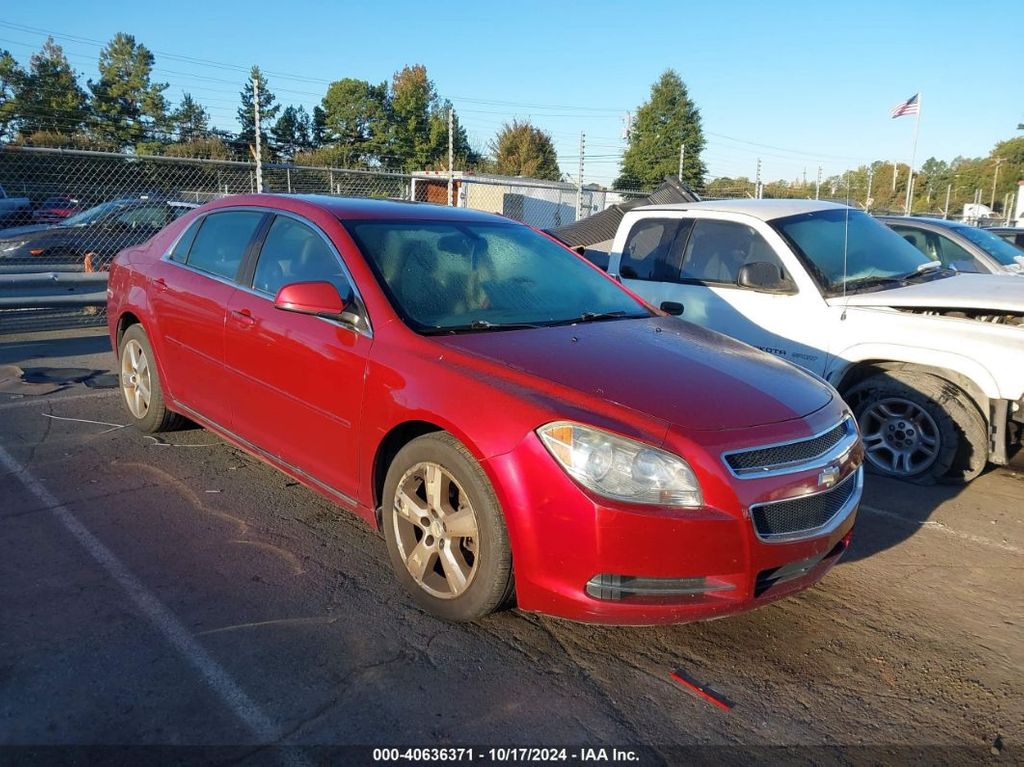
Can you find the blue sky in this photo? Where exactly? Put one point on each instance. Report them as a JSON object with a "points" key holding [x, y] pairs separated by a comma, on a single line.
{"points": [[797, 84]]}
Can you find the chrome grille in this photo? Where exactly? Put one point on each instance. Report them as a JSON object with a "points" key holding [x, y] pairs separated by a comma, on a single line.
{"points": [[765, 459], [804, 514]]}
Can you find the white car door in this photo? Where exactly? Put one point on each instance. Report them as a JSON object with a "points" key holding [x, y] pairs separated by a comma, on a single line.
{"points": [[695, 262]]}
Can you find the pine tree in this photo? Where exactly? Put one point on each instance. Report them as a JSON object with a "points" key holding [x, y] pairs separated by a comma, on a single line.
{"points": [[190, 121], [291, 131], [129, 108], [268, 109], [666, 121], [12, 79], [413, 100], [50, 98]]}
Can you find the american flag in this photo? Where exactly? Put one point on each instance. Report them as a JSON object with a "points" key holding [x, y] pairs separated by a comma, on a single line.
{"points": [[908, 107]]}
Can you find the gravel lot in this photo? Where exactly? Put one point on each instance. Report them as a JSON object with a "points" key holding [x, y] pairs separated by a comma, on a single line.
{"points": [[178, 592]]}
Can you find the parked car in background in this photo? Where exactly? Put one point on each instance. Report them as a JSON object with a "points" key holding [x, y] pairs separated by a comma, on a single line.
{"points": [[1012, 234], [55, 209], [93, 237], [514, 420], [930, 359], [14, 211], [958, 246]]}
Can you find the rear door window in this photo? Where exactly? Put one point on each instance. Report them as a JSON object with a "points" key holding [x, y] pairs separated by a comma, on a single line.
{"points": [[653, 249], [221, 242]]}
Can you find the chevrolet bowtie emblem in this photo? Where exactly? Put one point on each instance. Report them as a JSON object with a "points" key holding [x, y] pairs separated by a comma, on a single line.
{"points": [[828, 476]]}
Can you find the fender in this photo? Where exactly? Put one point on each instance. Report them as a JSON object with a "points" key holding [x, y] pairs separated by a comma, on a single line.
{"points": [[843, 361]]}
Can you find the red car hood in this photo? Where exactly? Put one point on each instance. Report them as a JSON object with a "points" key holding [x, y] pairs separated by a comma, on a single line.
{"points": [[672, 370]]}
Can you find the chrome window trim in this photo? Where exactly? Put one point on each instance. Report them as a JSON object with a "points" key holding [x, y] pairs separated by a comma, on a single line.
{"points": [[836, 453], [827, 528], [367, 331]]}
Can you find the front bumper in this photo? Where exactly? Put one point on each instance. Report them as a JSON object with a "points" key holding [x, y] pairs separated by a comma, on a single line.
{"points": [[584, 558]]}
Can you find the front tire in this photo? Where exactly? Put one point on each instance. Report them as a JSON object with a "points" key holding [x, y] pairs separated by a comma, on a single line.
{"points": [[140, 385], [445, 531], [919, 428]]}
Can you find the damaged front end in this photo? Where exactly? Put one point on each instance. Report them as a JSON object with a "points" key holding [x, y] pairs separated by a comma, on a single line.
{"points": [[980, 315]]}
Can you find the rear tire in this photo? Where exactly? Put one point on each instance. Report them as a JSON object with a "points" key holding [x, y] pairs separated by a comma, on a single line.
{"points": [[445, 531], [919, 428], [140, 385]]}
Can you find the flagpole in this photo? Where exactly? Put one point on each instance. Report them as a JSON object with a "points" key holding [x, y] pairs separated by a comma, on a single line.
{"points": [[913, 158]]}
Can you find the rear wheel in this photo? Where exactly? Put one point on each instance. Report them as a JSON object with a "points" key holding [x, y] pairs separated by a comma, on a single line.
{"points": [[920, 428], [140, 385], [444, 530]]}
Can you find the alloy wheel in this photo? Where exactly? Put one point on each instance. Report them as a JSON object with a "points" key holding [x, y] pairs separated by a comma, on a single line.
{"points": [[436, 530], [900, 437], [136, 382]]}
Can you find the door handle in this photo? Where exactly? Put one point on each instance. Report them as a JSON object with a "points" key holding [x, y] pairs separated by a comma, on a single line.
{"points": [[244, 317], [161, 283]]}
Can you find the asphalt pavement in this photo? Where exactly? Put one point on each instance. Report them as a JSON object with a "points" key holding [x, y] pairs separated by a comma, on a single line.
{"points": [[175, 593]]}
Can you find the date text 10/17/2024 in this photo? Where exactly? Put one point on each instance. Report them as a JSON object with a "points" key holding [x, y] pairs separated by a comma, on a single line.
{"points": [[504, 754]]}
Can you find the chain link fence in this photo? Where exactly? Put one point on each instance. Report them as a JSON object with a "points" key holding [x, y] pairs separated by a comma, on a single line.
{"points": [[71, 211]]}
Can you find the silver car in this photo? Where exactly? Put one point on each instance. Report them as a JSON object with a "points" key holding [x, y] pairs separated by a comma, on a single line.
{"points": [[959, 246]]}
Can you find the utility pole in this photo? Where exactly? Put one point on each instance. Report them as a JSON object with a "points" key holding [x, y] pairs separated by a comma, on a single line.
{"points": [[451, 157], [867, 198], [945, 210], [995, 179], [895, 165], [682, 156], [757, 180], [256, 125], [817, 185], [579, 178], [805, 176]]}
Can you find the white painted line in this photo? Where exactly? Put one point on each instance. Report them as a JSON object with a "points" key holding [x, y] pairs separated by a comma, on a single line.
{"points": [[933, 525], [163, 619], [47, 399]]}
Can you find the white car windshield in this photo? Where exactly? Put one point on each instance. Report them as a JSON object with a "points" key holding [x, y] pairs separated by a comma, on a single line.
{"points": [[842, 247]]}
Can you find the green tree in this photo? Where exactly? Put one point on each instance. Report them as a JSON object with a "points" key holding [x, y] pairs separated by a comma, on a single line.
{"points": [[190, 121], [50, 98], [291, 131], [268, 109], [413, 100], [465, 155], [357, 122], [521, 149], [12, 78], [130, 109], [666, 121], [318, 129]]}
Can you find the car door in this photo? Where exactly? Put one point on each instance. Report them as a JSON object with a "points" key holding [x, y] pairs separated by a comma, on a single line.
{"points": [[297, 386], [699, 267], [190, 291]]}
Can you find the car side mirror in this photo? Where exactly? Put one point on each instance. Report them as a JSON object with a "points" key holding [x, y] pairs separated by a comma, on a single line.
{"points": [[672, 307], [319, 299], [764, 277]]}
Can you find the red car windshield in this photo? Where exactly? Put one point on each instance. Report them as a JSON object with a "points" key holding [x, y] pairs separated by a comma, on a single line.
{"points": [[461, 276]]}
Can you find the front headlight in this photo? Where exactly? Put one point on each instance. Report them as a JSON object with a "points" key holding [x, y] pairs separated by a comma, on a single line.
{"points": [[10, 247], [620, 468]]}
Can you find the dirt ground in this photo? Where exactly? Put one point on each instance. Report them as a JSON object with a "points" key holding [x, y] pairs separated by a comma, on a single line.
{"points": [[177, 592]]}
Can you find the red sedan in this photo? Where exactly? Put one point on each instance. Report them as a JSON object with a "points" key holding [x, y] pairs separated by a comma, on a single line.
{"points": [[517, 424]]}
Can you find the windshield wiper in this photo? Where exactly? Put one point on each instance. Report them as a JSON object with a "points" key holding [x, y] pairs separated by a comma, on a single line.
{"points": [[598, 316], [477, 326]]}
